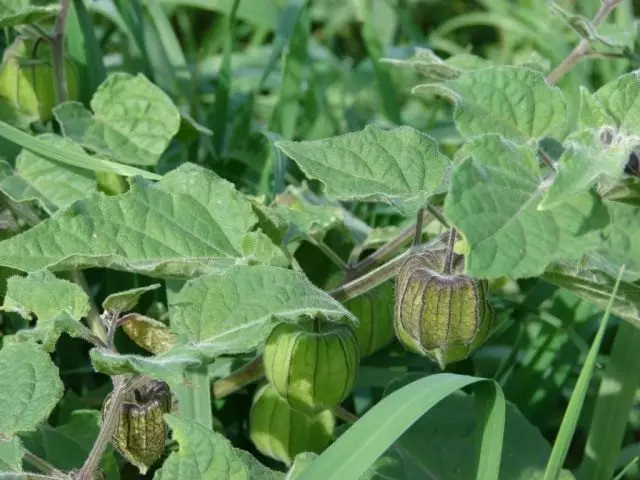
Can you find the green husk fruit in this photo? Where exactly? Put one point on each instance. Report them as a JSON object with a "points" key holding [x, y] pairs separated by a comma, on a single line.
{"points": [[281, 432], [313, 363], [440, 312]]}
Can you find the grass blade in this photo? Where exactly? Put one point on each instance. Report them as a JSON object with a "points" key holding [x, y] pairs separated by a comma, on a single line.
{"points": [[356, 449], [570, 419], [615, 400], [69, 158]]}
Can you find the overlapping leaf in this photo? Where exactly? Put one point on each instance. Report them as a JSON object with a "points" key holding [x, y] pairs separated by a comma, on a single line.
{"points": [[11, 453], [514, 102], [29, 387], [401, 166], [208, 455], [493, 200], [189, 223], [133, 120], [17, 12]]}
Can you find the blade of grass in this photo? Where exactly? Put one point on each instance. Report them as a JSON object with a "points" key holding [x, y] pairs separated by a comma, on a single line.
{"points": [[286, 26], [83, 48], [61, 155], [615, 399], [131, 13], [223, 87], [570, 419], [356, 449]]}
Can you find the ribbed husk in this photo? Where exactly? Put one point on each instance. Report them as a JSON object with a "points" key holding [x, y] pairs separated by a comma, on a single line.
{"points": [[442, 316], [281, 432], [141, 432], [374, 310], [312, 364]]}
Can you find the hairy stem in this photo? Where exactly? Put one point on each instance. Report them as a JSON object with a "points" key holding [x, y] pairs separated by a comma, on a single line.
{"points": [[42, 465], [331, 255], [581, 50], [448, 260], [436, 213], [417, 238], [57, 52], [239, 379]]}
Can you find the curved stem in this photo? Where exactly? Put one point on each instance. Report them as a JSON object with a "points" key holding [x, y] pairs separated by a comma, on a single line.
{"points": [[579, 52], [240, 378], [448, 261]]}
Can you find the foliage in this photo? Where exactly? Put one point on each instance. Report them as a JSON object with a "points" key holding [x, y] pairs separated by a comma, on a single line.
{"points": [[182, 181]]}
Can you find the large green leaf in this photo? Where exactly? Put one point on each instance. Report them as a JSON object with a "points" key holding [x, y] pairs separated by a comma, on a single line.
{"points": [[58, 304], [226, 314], [133, 120], [401, 166], [52, 184], [621, 245], [351, 455], [621, 101], [442, 442], [17, 12], [589, 156], [29, 387], [514, 102], [493, 200], [190, 222], [11, 453], [67, 446], [208, 455]]}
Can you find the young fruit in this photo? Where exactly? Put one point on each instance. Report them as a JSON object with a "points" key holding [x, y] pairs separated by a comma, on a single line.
{"points": [[374, 309], [140, 432], [280, 432], [440, 312], [313, 363]]}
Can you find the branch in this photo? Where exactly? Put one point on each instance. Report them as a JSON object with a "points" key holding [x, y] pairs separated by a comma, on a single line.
{"points": [[240, 378], [42, 465], [57, 52], [578, 53]]}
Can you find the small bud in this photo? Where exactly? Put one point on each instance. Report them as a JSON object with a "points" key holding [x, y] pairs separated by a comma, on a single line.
{"points": [[440, 312], [374, 310], [312, 363], [141, 432], [280, 432]]}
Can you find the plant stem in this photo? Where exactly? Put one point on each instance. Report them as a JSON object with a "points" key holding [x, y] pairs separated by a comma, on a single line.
{"points": [[331, 255], [436, 213], [344, 414], [120, 389], [238, 379], [57, 52], [579, 52], [448, 260], [42, 465], [417, 238], [362, 284]]}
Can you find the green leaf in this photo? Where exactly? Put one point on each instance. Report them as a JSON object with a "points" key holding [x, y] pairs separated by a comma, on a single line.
{"points": [[621, 100], [67, 446], [592, 112], [595, 286], [355, 451], [53, 184], [621, 246], [58, 304], [514, 102], [208, 455], [191, 222], [11, 453], [227, 314], [127, 300], [442, 442], [29, 387], [133, 120], [18, 12], [427, 63], [401, 166], [493, 200], [589, 155]]}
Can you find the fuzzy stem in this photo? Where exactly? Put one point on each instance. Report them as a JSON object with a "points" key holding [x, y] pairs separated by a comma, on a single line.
{"points": [[417, 238], [57, 52], [42, 465], [240, 378], [579, 52], [448, 260], [436, 213]]}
